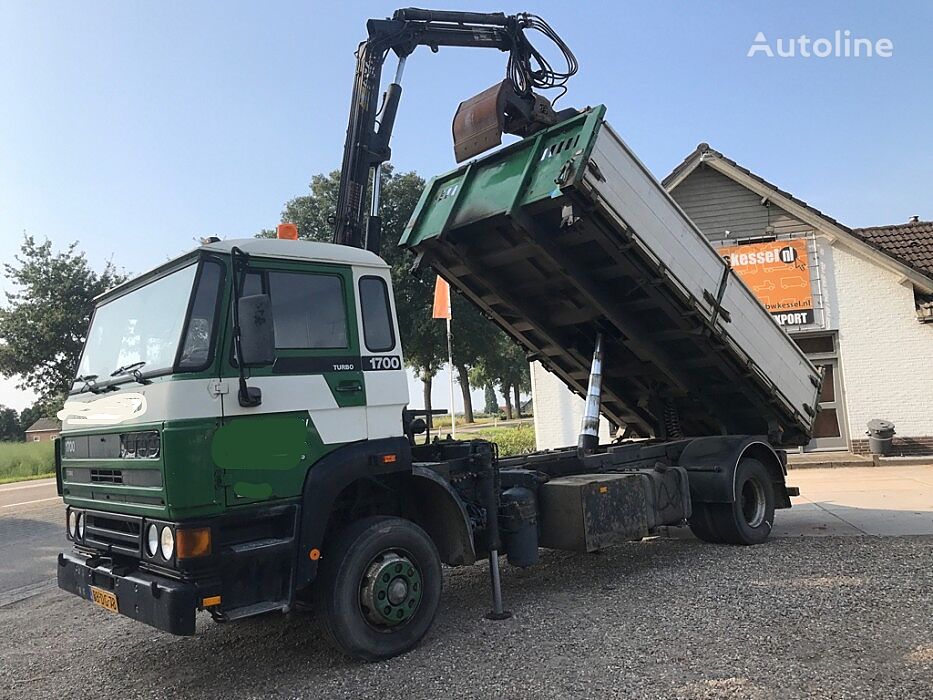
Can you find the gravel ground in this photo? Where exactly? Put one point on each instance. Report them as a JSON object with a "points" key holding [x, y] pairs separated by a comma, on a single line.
{"points": [[666, 618]]}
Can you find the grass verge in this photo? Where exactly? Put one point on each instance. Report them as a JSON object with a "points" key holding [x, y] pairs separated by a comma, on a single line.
{"points": [[517, 440], [20, 461]]}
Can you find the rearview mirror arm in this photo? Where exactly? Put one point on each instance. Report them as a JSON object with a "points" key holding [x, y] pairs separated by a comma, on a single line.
{"points": [[247, 396]]}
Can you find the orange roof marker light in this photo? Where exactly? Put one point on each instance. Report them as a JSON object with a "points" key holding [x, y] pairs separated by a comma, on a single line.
{"points": [[287, 232]]}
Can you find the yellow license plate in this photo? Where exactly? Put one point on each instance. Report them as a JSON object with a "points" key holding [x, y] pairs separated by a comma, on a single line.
{"points": [[104, 599]]}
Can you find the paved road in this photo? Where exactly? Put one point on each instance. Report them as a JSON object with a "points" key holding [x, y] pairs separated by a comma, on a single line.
{"points": [[32, 533], [886, 501]]}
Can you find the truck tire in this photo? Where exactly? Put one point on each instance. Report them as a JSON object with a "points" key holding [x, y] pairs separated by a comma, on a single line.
{"points": [[702, 525], [380, 587], [748, 520]]}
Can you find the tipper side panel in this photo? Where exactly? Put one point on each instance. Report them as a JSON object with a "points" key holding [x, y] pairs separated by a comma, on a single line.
{"points": [[565, 234]]}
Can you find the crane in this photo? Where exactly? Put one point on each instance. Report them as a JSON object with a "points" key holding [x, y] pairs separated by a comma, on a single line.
{"points": [[510, 107]]}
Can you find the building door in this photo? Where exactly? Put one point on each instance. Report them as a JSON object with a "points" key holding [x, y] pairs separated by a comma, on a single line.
{"points": [[829, 429]]}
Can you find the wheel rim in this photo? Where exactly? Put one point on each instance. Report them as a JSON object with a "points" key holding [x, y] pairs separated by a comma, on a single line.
{"points": [[391, 589], [754, 502]]}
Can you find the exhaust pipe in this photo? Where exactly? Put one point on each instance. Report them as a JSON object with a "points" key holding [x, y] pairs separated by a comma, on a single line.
{"points": [[589, 429]]}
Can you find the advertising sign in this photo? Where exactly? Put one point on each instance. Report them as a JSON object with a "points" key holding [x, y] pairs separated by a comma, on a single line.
{"points": [[778, 273]]}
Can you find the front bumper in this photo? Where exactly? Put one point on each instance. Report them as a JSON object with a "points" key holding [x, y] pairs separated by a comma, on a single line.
{"points": [[162, 602]]}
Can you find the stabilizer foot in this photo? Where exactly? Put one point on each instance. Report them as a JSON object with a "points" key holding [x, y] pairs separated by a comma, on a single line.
{"points": [[504, 615], [497, 613]]}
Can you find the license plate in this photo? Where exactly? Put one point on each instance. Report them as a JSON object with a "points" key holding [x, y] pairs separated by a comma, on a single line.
{"points": [[104, 599]]}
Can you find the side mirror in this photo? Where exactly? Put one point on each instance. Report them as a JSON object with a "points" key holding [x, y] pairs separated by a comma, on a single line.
{"points": [[257, 332]]}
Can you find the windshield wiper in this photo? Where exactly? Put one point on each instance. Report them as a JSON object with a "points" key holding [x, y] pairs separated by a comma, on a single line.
{"points": [[125, 369], [132, 369], [90, 384]]}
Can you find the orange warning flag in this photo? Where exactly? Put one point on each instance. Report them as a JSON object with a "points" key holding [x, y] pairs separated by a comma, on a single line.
{"points": [[441, 298]]}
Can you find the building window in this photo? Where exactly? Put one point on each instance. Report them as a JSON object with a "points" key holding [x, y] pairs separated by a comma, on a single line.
{"points": [[815, 344]]}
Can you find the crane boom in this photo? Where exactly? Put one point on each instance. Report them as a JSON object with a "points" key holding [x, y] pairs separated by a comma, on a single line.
{"points": [[515, 107]]}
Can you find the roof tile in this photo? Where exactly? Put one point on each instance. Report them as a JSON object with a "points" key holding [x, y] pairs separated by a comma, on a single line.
{"points": [[911, 243]]}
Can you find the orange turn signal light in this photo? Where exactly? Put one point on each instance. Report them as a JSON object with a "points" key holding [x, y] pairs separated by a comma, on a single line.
{"points": [[287, 232], [191, 543], [210, 601], [389, 459]]}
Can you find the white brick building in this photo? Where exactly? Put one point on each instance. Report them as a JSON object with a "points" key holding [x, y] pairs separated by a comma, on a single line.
{"points": [[866, 318]]}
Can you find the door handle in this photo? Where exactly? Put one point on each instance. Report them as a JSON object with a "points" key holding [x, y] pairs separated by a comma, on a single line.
{"points": [[351, 386]]}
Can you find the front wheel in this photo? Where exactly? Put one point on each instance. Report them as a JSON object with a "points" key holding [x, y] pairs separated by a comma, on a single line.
{"points": [[380, 587], [749, 519]]}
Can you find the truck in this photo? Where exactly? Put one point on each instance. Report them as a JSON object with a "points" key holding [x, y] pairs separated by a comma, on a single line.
{"points": [[238, 440]]}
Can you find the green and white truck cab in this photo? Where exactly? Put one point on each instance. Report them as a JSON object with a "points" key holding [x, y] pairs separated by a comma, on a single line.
{"points": [[180, 497]]}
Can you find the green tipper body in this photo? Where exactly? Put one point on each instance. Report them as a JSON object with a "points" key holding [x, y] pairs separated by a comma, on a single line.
{"points": [[520, 175], [565, 236]]}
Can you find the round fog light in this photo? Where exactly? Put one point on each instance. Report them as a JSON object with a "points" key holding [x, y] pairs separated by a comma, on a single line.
{"points": [[152, 539], [81, 520], [167, 543], [72, 522]]}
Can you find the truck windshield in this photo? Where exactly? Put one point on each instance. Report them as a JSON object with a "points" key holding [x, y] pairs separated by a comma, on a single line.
{"points": [[142, 326]]}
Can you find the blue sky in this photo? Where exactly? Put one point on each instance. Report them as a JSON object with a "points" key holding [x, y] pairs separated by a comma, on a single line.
{"points": [[135, 127]]}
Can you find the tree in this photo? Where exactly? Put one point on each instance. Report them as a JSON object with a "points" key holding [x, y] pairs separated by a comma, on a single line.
{"points": [[505, 366], [516, 374], [31, 414], [471, 333], [10, 428], [45, 320], [492, 403]]}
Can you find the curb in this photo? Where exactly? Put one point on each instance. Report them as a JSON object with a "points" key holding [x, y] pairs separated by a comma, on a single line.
{"points": [[840, 464], [874, 461]]}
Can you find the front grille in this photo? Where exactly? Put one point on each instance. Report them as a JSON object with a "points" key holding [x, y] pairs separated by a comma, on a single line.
{"points": [[115, 533], [106, 476]]}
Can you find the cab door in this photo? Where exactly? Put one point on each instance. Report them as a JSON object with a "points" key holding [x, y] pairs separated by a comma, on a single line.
{"points": [[313, 396], [381, 354]]}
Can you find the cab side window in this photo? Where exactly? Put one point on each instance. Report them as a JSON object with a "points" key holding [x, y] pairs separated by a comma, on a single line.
{"points": [[378, 331], [310, 310]]}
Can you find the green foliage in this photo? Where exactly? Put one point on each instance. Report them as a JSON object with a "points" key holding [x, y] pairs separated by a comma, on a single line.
{"points": [[45, 320], [492, 403], [10, 428], [518, 440], [26, 460], [31, 414], [503, 365]]}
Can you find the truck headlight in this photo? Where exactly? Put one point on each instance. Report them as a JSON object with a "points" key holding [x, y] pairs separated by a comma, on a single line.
{"points": [[72, 523], [80, 528], [152, 539], [167, 543]]}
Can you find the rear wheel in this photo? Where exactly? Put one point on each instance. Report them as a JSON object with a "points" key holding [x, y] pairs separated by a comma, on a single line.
{"points": [[701, 523], [748, 520], [380, 587]]}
